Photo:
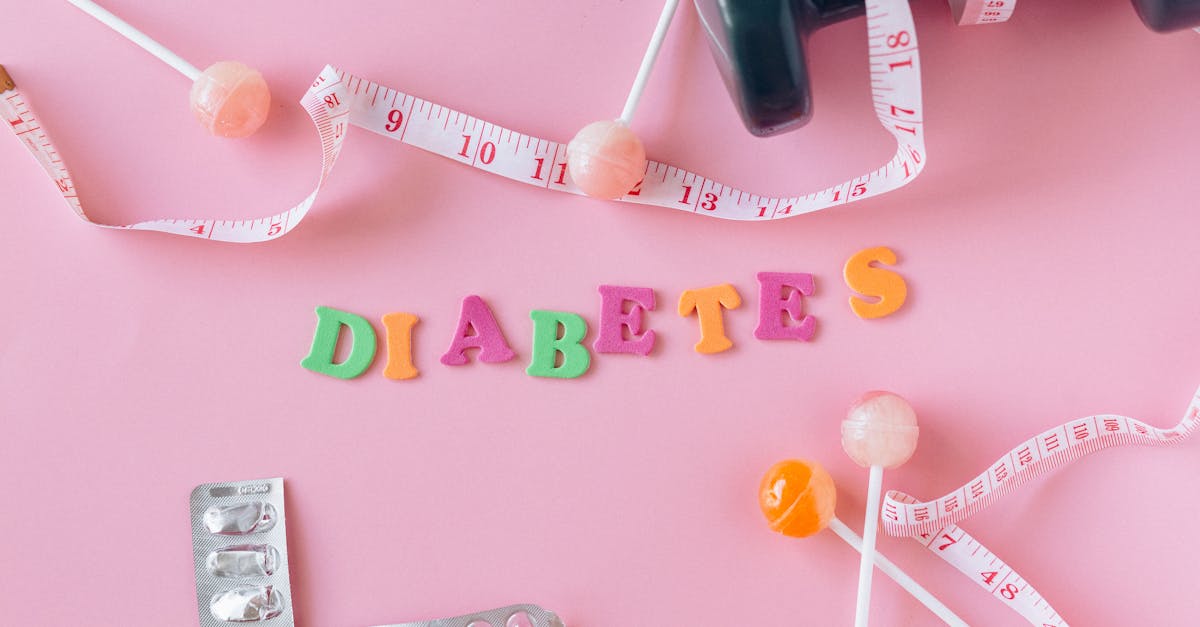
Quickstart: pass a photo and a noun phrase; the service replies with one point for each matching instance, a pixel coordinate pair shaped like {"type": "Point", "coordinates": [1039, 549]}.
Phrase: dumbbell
{"type": "Point", "coordinates": [1168, 15]}
{"type": "Point", "coordinates": [761, 50]}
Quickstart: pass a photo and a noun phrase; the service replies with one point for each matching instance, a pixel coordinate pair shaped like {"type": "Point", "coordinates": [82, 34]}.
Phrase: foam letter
{"type": "Point", "coordinates": [614, 320]}
{"type": "Point", "coordinates": [399, 327]}
{"type": "Point", "coordinates": [548, 344]}
{"type": "Point", "coordinates": [485, 335]}
{"type": "Point", "coordinates": [889, 287]}
{"type": "Point", "coordinates": [772, 305]}
{"type": "Point", "coordinates": [362, 344]}
{"type": "Point", "coordinates": [708, 303]}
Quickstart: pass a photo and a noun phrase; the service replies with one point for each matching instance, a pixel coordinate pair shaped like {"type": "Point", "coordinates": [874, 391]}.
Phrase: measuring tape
{"type": "Point", "coordinates": [895, 88]}
{"type": "Point", "coordinates": [337, 99]}
{"type": "Point", "coordinates": [933, 523]}
{"type": "Point", "coordinates": [330, 122]}
{"type": "Point", "coordinates": [967, 12]}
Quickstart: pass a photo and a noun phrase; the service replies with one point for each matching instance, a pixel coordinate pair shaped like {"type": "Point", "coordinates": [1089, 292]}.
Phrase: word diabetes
{"type": "Point", "coordinates": [559, 350]}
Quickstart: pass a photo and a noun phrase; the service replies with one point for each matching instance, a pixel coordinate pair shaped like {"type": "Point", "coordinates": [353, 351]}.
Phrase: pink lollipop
{"type": "Point", "coordinates": [229, 99]}
{"type": "Point", "coordinates": [880, 432]}
{"type": "Point", "coordinates": [606, 159]}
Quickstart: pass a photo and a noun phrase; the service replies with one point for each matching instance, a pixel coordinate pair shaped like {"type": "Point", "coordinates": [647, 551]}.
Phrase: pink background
{"type": "Point", "coordinates": [1049, 248]}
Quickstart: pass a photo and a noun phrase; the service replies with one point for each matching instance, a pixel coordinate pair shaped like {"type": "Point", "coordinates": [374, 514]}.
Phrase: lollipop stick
{"type": "Point", "coordinates": [137, 37]}
{"type": "Point", "coordinates": [891, 570]}
{"type": "Point", "coordinates": [643, 75]}
{"type": "Point", "coordinates": [870, 531]}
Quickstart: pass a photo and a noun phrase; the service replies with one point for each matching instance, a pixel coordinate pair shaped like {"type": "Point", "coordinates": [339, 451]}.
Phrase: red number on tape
{"type": "Point", "coordinates": [395, 119]}
{"type": "Point", "coordinates": [951, 542]}
{"type": "Point", "coordinates": [902, 38]}
{"type": "Point", "coordinates": [487, 152]}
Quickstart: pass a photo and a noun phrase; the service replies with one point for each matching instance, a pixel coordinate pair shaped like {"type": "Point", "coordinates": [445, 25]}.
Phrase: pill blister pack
{"type": "Point", "coordinates": [239, 544]}
{"type": "Point", "coordinates": [511, 616]}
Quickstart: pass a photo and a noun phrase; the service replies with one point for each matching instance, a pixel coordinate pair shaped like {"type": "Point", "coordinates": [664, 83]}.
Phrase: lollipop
{"type": "Point", "coordinates": [229, 98]}
{"type": "Point", "coordinates": [606, 159]}
{"type": "Point", "coordinates": [879, 432]}
{"type": "Point", "coordinates": [798, 498]}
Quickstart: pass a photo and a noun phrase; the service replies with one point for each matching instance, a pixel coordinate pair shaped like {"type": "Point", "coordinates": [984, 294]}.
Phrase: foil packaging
{"type": "Point", "coordinates": [511, 616]}
{"type": "Point", "coordinates": [239, 547]}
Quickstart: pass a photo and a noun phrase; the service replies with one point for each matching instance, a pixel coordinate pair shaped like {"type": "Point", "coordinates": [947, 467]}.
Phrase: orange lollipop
{"type": "Point", "coordinates": [798, 498]}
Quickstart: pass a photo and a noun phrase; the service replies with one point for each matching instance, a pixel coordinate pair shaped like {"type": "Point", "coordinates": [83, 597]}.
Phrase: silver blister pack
{"type": "Point", "coordinates": [239, 545]}
{"type": "Point", "coordinates": [511, 616]}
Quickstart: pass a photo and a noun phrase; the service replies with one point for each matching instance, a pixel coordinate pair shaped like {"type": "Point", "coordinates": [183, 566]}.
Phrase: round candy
{"type": "Point", "coordinates": [797, 497]}
{"type": "Point", "coordinates": [606, 159]}
{"type": "Point", "coordinates": [880, 430]}
{"type": "Point", "coordinates": [230, 99]}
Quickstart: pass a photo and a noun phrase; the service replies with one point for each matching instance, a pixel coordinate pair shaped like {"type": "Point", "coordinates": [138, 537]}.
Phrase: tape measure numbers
{"type": "Point", "coordinates": [932, 523]}
{"type": "Point", "coordinates": [336, 100]}
{"type": "Point", "coordinates": [895, 87]}
{"type": "Point", "coordinates": [967, 12]}
{"type": "Point", "coordinates": [329, 120]}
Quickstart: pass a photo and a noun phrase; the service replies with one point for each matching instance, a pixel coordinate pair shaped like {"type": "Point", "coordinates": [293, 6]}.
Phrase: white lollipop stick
{"type": "Point", "coordinates": [138, 37]}
{"type": "Point", "coordinates": [643, 75]}
{"type": "Point", "coordinates": [899, 576]}
{"type": "Point", "coordinates": [862, 608]}
{"type": "Point", "coordinates": [606, 159]}
{"type": "Point", "coordinates": [798, 498]}
{"type": "Point", "coordinates": [879, 432]}
{"type": "Point", "coordinates": [229, 99]}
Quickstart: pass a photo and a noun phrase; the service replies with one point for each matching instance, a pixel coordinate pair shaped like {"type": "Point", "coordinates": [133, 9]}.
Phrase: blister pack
{"type": "Point", "coordinates": [239, 544]}
{"type": "Point", "coordinates": [511, 616]}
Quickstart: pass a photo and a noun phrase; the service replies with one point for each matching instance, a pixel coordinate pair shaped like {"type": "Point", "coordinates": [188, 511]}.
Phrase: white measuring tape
{"type": "Point", "coordinates": [895, 87]}
{"type": "Point", "coordinates": [337, 99]}
{"type": "Point", "coordinates": [968, 12]}
{"type": "Point", "coordinates": [330, 122]}
{"type": "Point", "coordinates": [932, 523]}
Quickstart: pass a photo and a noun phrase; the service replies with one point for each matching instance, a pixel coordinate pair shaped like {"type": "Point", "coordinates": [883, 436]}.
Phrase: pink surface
{"type": "Point", "coordinates": [1049, 250]}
